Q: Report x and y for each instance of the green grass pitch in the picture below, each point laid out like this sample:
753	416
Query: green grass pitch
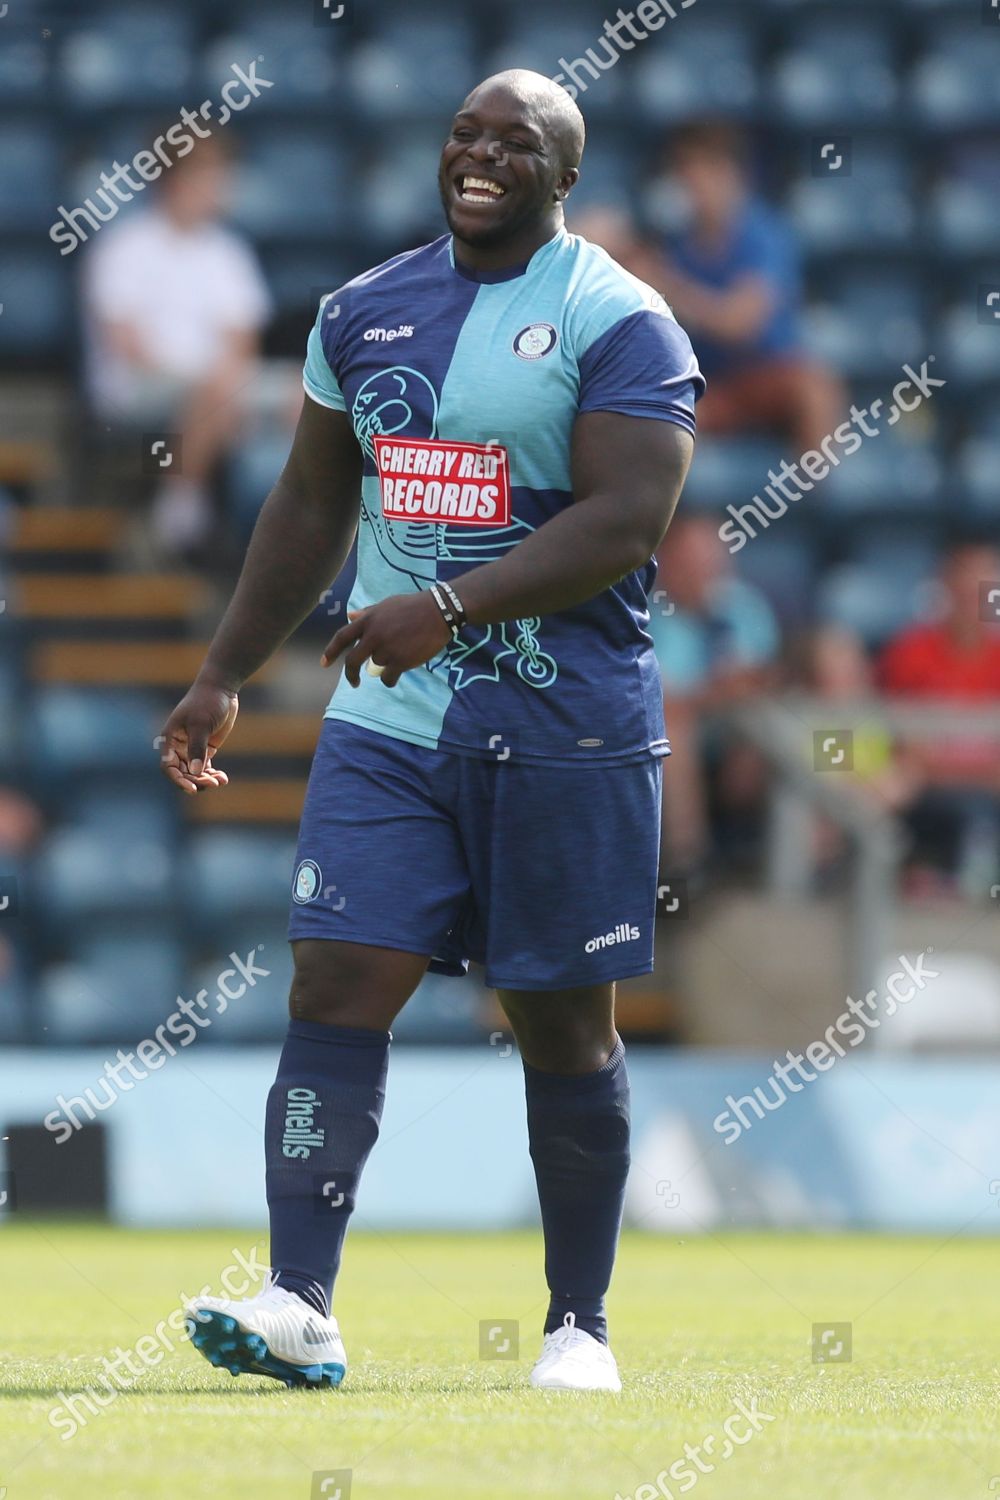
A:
698	1325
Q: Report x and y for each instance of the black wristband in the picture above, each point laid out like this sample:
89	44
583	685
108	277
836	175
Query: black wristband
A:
458	608
453	621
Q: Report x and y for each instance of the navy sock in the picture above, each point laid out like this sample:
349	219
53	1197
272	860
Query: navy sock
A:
322	1121
578	1130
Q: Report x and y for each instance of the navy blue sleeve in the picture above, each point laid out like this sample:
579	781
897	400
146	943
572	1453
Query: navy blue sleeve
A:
643	366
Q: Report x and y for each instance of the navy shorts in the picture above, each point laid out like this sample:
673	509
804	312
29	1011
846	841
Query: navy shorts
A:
544	874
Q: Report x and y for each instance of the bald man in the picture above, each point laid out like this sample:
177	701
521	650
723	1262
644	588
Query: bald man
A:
505	417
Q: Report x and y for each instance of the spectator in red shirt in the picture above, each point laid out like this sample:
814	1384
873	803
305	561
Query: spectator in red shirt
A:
955	817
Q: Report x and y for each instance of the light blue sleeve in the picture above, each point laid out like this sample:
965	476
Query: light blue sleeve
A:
317	376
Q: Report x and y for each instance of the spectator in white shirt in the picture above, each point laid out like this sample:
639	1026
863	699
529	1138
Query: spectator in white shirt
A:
174	306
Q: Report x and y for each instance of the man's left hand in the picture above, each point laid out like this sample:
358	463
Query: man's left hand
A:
401	632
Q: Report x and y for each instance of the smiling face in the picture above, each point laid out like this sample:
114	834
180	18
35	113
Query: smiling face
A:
508	165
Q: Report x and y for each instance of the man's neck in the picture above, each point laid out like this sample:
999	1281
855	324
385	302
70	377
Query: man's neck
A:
515	252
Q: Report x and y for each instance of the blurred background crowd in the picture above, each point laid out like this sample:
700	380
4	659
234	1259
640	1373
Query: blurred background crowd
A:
814	188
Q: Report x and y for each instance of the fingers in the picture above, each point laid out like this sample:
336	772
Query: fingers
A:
182	776
187	771
345	637
354	661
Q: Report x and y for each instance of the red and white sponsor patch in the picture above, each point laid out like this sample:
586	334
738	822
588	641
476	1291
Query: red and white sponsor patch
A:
456	484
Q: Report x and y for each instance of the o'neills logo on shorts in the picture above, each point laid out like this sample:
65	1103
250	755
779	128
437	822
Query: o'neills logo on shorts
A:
462	484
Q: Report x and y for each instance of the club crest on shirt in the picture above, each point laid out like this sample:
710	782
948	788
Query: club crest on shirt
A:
535	341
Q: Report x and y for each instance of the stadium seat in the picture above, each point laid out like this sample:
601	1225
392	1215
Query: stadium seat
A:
836	70
729	470
548	41
696	65
397	194
232	873
24	61
899	550
297	279
15	1016
864	600
872	209
260	1013
418	65
29	179
956	83
118	986
37	301
885	474
964	217
871	324
782	566
969	346
14	1013
978	481
136	55
299	59
292	183
85	872
250	476
607	179
12	738
75	730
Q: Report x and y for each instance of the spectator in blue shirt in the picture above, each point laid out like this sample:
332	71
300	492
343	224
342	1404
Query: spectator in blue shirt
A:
730	270
717	642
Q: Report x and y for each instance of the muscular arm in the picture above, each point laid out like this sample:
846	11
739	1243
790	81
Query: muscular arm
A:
627	478
301	541
627	475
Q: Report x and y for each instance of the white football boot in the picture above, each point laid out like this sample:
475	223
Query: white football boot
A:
274	1333
572	1360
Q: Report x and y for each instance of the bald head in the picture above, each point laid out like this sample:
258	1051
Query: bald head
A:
507	167
548	105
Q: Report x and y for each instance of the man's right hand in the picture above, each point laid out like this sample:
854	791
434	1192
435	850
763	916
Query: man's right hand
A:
193	734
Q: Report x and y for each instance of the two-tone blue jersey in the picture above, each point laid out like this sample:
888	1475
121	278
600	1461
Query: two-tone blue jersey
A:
463	388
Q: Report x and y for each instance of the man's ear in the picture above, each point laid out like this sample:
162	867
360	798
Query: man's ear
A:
567	182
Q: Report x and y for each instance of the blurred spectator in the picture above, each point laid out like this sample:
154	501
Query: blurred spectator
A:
717	642
955	659
730	271
174	305
614	231
832	666
20	823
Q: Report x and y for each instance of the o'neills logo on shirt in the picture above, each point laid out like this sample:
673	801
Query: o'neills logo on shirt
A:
462	484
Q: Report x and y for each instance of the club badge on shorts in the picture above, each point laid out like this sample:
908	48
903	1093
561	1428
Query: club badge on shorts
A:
308	879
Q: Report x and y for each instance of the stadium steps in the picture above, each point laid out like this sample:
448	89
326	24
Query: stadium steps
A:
274	734
271	800
162	664
118	597
24	462
66	529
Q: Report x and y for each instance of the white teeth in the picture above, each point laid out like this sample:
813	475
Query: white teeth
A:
480	190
